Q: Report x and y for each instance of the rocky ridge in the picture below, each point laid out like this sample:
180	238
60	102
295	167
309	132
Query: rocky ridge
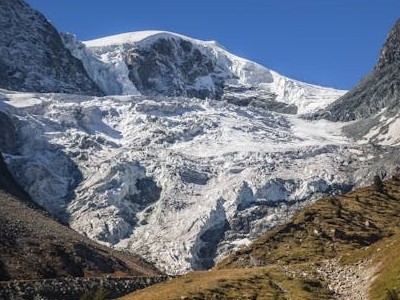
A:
378	91
374	102
160	64
33	56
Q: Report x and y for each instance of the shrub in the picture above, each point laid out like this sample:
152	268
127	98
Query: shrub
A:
100	294
378	184
338	212
392	294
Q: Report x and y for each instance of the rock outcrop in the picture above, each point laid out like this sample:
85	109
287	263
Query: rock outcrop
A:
9	144
33	56
391	50
380	89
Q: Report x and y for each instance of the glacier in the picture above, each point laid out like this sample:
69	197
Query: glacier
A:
180	181
193	152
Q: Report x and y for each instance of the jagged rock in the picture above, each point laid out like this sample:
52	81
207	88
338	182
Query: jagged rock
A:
172	67
9	141
390	53
33	57
379	90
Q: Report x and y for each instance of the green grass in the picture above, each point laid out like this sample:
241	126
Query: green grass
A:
388	260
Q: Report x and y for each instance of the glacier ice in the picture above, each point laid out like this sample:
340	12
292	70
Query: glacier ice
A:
180	181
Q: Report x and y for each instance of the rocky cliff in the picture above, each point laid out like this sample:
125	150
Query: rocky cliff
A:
8	143
379	90
33	57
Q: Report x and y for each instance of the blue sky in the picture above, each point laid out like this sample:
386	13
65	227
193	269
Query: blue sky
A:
327	42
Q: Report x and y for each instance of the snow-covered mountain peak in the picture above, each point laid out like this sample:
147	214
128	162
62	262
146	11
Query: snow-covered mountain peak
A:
139	37
161	63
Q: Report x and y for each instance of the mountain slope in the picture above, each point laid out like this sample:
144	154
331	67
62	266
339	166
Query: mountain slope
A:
342	247
157	63
380	124
361	228
203	154
33	57
379	90
33	245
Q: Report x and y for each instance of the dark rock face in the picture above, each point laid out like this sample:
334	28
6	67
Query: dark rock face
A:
206	246
149	192
9	144
391	50
380	89
8	134
33	57
8	184
174	67
192	176
251	96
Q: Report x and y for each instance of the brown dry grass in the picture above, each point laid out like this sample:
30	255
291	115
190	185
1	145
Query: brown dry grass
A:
252	283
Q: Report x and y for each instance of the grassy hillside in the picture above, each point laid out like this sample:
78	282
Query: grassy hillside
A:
250	283
345	247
